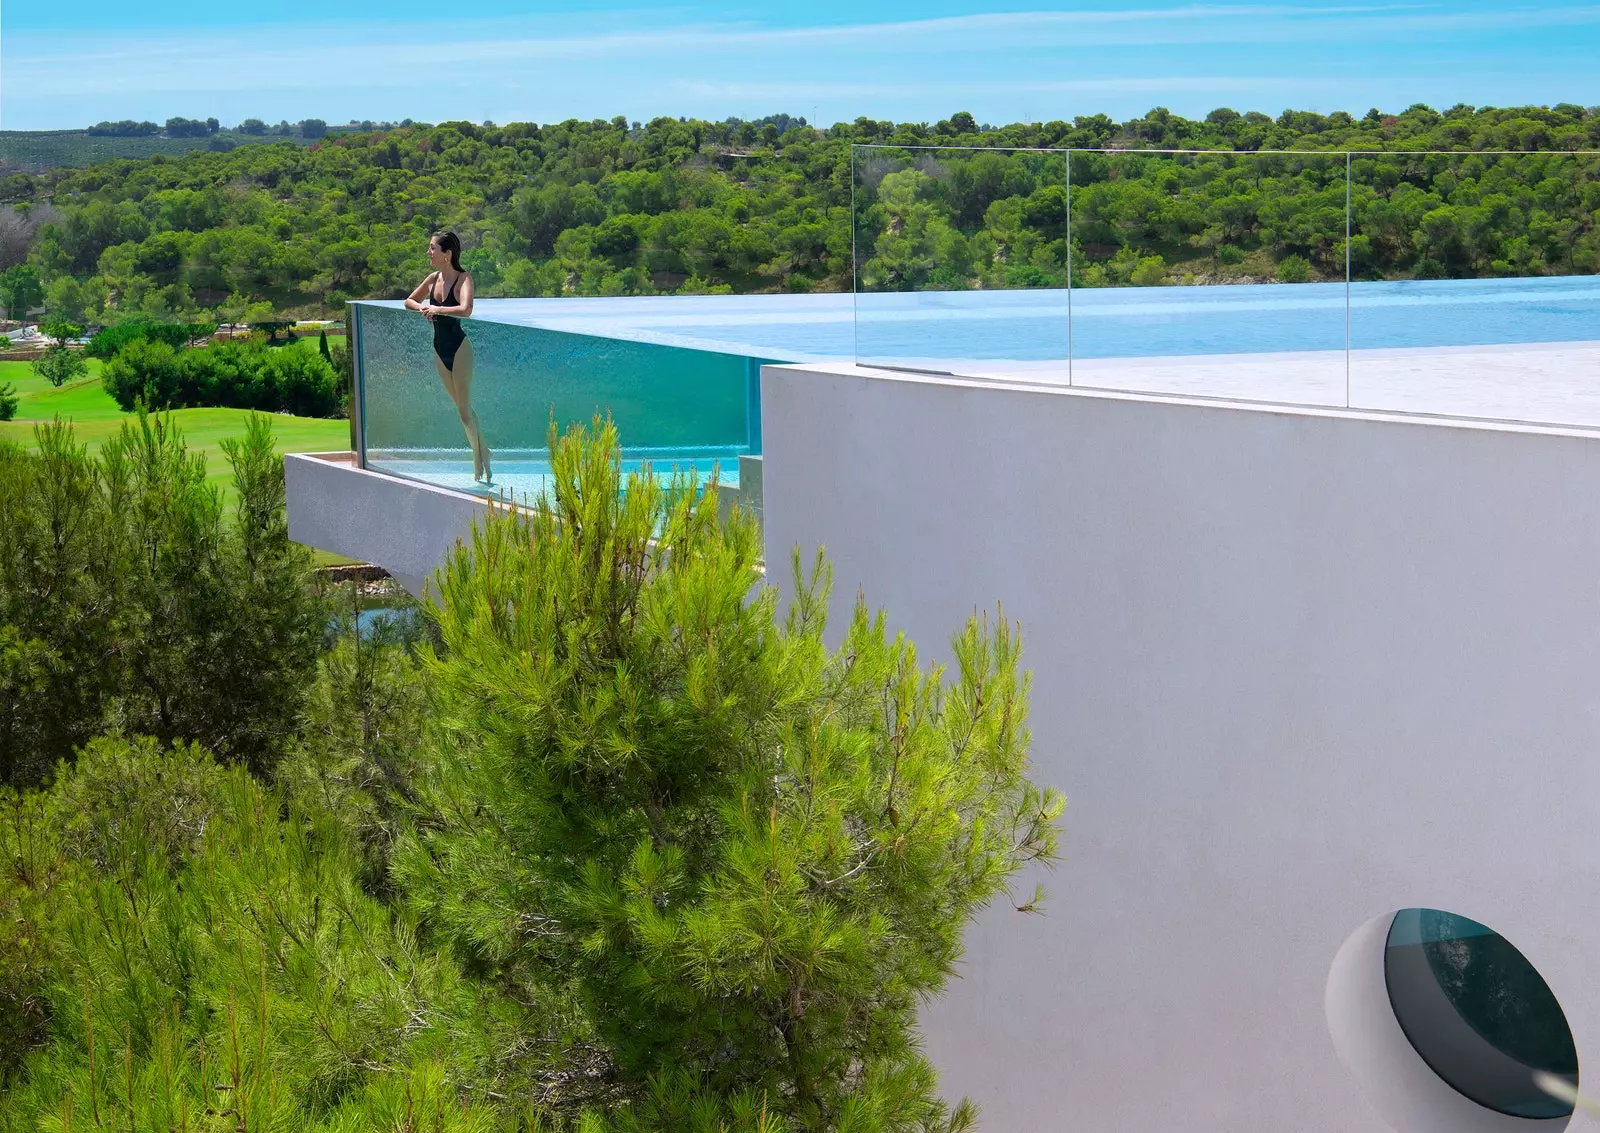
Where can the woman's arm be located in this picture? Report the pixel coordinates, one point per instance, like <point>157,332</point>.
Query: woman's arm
<point>463,307</point>
<point>414,300</point>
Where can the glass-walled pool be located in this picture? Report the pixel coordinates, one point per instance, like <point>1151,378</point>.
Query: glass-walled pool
<point>480,425</point>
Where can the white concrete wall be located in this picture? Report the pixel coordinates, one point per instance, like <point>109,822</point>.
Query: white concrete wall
<point>1293,670</point>
<point>405,527</point>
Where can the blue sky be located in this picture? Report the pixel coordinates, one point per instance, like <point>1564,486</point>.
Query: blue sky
<point>65,65</point>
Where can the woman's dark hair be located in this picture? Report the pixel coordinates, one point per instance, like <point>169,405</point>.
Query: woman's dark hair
<point>450,242</point>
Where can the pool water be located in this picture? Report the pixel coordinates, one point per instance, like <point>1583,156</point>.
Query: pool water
<point>522,476</point>
<point>1149,322</point>
<point>406,617</point>
<point>1107,322</point>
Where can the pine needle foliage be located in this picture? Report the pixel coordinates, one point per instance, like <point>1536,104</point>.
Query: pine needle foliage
<point>130,599</point>
<point>361,731</point>
<point>753,856</point>
<point>58,612</point>
<point>213,963</point>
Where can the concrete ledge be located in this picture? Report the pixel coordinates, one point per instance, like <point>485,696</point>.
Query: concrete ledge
<point>405,526</point>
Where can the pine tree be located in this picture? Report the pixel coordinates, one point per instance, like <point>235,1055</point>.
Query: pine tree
<point>130,597</point>
<point>59,624</point>
<point>751,855</point>
<point>322,346</point>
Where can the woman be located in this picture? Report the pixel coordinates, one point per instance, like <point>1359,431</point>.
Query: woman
<point>445,298</point>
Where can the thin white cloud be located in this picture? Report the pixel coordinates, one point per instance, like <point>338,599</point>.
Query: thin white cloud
<point>34,58</point>
<point>533,65</point>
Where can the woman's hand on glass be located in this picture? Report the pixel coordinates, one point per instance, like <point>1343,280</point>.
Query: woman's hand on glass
<point>427,311</point>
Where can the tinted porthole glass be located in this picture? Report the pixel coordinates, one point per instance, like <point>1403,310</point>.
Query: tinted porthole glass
<point>1477,1012</point>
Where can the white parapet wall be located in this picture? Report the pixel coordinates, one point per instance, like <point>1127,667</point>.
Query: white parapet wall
<point>404,526</point>
<point>1294,670</point>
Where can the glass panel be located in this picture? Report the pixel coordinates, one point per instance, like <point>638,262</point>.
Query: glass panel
<point>671,405</point>
<point>1210,274</point>
<point>1477,1012</point>
<point>961,260</point>
<point>353,383</point>
<point>1474,288</point>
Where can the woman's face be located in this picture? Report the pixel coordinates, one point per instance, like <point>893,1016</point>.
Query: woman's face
<point>437,256</point>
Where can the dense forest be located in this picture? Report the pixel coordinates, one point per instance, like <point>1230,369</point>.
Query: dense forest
<point>613,207</point>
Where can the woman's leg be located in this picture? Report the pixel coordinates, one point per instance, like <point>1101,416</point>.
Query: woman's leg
<point>451,380</point>
<point>469,417</point>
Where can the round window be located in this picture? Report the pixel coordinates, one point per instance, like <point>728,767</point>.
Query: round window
<point>1478,1013</point>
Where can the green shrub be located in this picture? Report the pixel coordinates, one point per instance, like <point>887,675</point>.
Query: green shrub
<point>1090,275</point>
<point>1294,269</point>
<point>59,597</point>
<point>112,340</point>
<point>105,344</point>
<point>344,367</point>
<point>128,798</point>
<point>1429,268</point>
<point>1027,275</point>
<point>143,372</point>
<point>1119,268</point>
<point>299,382</point>
<point>362,732</point>
<point>237,375</point>
<point>753,856</point>
<point>1149,272</point>
<point>1230,254</point>
<point>30,868</point>
<point>10,402</point>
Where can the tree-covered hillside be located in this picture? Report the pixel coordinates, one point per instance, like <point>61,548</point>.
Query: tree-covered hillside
<point>38,151</point>
<point>612,207</point>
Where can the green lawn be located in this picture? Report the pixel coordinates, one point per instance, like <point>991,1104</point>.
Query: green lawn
<point>309,341</point>
<point>95,418</point>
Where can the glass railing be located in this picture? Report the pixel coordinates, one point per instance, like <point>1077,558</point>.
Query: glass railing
<point>479,423</point>
<point>961,260</point>
<point>1386,281</point>
<point>1474,275</point>
<point>1184,282</point>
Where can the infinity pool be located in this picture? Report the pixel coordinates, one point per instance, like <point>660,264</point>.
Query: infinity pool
<point>680,374</point>
<point>1106,322</point>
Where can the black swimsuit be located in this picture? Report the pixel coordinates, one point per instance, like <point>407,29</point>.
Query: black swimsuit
<point>447,333</point>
